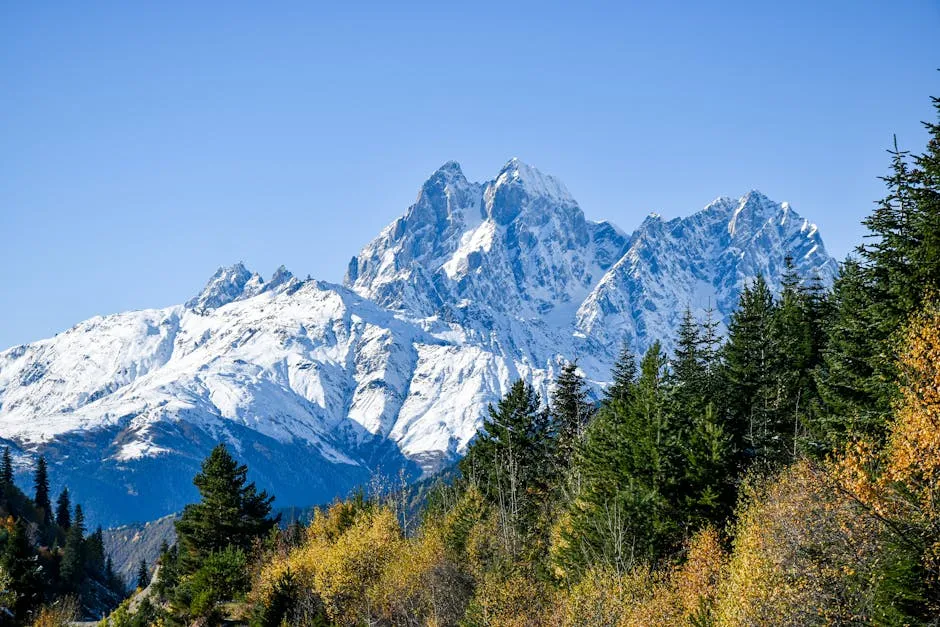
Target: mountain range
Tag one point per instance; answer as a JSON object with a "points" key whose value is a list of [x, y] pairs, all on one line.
{"points": [[318, 386]]}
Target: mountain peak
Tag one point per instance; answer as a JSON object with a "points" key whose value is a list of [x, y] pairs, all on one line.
{"points": [[226, 285], [534, 182], [450, 167], [445, 176], [752, 208]]}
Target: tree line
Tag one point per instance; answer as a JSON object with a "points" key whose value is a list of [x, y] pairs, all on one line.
{"points": [[47, 556]]}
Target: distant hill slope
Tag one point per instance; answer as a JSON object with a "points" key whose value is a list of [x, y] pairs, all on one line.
{"points": [[129, 544]]}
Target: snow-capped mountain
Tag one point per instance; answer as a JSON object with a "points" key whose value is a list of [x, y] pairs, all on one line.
{"points": [[317, 385]]}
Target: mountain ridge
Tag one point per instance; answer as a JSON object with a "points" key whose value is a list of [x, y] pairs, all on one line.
{"points": [[317, 384]]}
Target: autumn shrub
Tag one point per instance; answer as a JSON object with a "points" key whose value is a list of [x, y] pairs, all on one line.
{"points": [[418, 584], [603, 597], [348, 551], [509, 598], [804, 553], [59, 614], [684, 594]]}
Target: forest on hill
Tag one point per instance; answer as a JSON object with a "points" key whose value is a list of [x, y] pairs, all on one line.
{"points": [[786, 474]]}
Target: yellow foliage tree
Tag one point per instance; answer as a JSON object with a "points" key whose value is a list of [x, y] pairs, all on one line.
{"points": [[804, 553], [913, 460]]}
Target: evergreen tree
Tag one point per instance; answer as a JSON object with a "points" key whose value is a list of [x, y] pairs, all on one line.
{"points": [[6, 470], [169, 568], [655, 453], [19, 560], [855, 392], [623, 377], [703, 486], [571, 412], [231, 512], [708, 492], [94, 553], [793, 358], [111, 577], [748, 358], [510, 458], [623, 515], [73, 555], [888, 257], [925, 256], [63, 514], [688, 372], [876, 295], [41, 484], [143, 575], [512, 462]]}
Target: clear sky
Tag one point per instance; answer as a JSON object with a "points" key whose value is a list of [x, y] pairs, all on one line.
{"points": [[142, 145]]}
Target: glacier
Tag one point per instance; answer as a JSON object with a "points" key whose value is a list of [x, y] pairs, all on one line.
{"points": [[319, 386]]}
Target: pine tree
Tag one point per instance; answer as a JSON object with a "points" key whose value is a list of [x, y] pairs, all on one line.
{"points": [[623, 377], [703, 485], [623, 515], [18, 559], [792, 359], [688, 372], [94, 552], [877, 294], [41, 483], [655, 454], [63, 514], [708, 491], [505, 450], [231, 512], [747, 368], [925, 257], [143, 575], [887, 259], [571, 412], [511, 461], [73, 555], [6, 470], [111, 577], [169, 568], [855, 393]]}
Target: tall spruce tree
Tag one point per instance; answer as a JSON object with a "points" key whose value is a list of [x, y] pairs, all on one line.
{"points": [[114, 580], [688, 372], [624, 515], [143, 575], [925, 257], [19, 560], [512, 456], [73, 555], [623, 377], [6, 469], [571, 412], [792, 359], [876, 294], [63, 512], [855, 392], [94, 552], [231, 512], [41, 485], [748, 358], [703, 486]]}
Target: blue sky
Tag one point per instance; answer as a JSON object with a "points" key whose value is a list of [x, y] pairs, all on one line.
{"points": [[142, 145]]}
